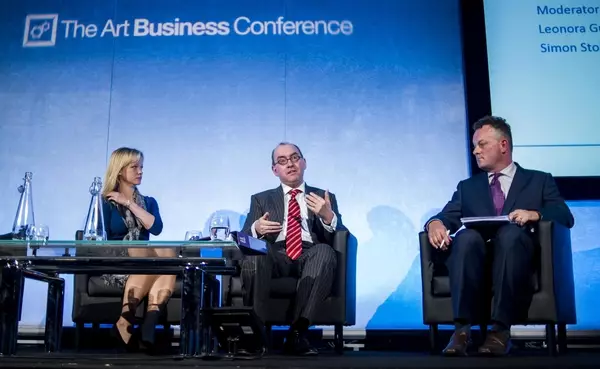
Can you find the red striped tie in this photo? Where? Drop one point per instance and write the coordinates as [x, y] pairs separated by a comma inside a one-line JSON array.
[[293, 239]]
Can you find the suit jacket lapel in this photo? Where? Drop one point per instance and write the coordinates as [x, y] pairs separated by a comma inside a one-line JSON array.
[[483, 185], [311, 214], [521, 179], [277, 204]]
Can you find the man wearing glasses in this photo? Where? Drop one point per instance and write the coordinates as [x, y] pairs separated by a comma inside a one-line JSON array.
[[298, 222]]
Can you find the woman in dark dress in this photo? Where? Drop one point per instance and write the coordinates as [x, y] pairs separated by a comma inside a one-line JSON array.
[[130, 216]]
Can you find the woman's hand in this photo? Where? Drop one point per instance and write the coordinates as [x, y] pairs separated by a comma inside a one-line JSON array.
[[119, 198]]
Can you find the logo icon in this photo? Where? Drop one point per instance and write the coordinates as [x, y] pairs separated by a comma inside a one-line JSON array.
[[40, 30]]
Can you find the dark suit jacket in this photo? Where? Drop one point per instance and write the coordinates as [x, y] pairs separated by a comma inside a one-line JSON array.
[[530, 190], [115, 225], [272, 201]]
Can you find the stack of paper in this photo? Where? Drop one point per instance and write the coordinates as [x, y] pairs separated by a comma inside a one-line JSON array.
[[500, 218]]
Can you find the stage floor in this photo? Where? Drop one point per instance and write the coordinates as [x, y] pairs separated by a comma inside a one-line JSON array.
[[35, 358]]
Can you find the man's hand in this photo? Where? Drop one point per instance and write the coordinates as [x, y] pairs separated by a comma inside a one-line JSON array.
[[264, 226], [438, 234], [523, 216], [320, 206]]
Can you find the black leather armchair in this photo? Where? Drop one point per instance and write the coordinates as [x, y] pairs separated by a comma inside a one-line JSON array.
[[95, 303], [339, 309], [553, 302]]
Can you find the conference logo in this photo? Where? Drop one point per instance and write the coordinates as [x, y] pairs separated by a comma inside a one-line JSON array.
[[42, 30]]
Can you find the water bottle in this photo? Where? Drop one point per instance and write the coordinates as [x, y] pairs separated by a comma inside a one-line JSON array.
[[24, 219], [94, 222]]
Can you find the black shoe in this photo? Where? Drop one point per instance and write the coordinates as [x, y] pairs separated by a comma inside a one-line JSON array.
[[296, 343], [148, 331], [132, 345]]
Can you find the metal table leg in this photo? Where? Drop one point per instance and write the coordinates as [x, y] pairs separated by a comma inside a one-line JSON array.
[[10, 298], [210, 298], [55, 303], [189, 308], [54, 314]]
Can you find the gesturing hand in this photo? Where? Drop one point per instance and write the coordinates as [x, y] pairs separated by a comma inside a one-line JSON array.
[[320, 206], [264, 226]]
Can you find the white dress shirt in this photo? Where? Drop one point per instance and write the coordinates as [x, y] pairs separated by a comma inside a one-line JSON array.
[[301, 198], [506, 179]]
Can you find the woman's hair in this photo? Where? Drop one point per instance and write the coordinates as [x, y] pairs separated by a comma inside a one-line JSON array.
[[119, 159]]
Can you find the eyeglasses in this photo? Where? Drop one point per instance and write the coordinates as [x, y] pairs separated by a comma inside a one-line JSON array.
[[283, 160]]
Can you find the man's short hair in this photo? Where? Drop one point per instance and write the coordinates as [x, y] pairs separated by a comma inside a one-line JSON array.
[[282, 144], [499, 124]]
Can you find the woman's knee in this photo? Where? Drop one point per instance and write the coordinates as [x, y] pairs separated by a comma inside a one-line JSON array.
[[164, 253], [139, 252]]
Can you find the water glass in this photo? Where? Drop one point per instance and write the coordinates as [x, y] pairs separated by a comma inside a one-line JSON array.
[[193, 235], [41, 233], [219, 227]]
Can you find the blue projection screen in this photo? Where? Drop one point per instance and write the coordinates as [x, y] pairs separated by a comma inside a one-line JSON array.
[[543, 66], [372, 91]]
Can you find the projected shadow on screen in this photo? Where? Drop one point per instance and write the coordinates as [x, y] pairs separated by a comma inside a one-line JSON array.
[[384, 259], [402, 308], [586, 273]]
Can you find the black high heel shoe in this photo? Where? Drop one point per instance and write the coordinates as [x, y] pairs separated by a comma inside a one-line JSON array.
[[132, 345], [148, 330]]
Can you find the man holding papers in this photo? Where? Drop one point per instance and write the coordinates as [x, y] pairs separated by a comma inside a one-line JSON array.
[[504, 189]]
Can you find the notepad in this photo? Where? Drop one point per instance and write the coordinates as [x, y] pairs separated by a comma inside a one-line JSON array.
[[479, 222], [500, 218]]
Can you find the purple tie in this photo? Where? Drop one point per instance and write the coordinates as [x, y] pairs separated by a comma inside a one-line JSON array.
[[497, 194]]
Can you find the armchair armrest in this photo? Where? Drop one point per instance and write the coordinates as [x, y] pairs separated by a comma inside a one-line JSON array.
[[556, 267], [345, 246], [340, 245], [426, 250]]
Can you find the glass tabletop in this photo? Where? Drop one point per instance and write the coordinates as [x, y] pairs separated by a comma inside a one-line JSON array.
[[70, 244]]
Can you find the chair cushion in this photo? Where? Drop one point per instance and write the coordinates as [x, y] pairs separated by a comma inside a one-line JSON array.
[[440, 285], [97, 288], [283, 287]]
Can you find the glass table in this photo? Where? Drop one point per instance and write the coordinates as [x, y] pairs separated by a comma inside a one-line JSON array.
[[23, 259]]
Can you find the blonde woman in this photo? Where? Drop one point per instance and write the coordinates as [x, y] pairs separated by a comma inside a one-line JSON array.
[[130, 216]]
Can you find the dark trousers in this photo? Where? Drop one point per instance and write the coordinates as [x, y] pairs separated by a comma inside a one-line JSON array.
[[510, 254], [315, 270]]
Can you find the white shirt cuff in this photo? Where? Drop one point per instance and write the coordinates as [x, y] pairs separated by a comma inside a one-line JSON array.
[[330, 227], [253, 229]]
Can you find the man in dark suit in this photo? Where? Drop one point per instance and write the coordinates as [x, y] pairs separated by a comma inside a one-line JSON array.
[[298, 222], [505, 188]]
